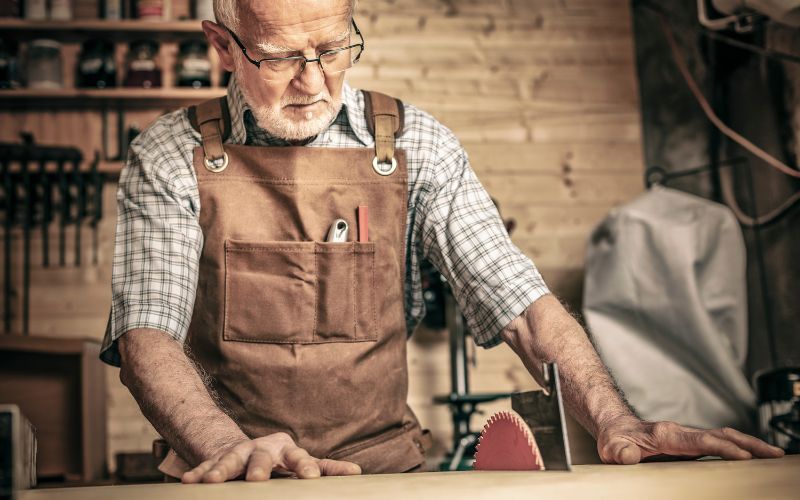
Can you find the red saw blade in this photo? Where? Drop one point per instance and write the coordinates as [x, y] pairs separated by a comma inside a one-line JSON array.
[[507, 443]]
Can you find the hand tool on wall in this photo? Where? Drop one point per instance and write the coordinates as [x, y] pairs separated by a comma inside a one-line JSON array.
[[46, 214], [27, 211], [28, 201], [63, 204], [96, 180], [80, 208], [9, 202], [542, 412]]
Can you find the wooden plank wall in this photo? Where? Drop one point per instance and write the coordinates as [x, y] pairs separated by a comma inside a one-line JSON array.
[[542, 93]]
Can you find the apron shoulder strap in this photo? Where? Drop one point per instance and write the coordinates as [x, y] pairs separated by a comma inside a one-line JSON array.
[[385, 118], [213, 120]]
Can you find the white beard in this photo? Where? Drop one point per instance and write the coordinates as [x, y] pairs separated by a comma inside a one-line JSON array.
[[276, 123]]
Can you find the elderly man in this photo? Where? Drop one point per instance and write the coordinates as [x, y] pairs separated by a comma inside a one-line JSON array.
[[255, 343]]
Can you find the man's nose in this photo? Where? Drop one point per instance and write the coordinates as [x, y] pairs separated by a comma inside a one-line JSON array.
[[311, 80]]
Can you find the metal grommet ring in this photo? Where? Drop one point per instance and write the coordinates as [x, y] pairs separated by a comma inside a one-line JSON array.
[[384, 168], [218, 164]]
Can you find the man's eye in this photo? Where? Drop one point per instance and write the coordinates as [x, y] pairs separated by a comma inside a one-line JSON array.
[[281, 64]]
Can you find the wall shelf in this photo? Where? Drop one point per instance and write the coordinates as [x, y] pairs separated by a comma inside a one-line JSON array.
[[38, 98], [117, 30]]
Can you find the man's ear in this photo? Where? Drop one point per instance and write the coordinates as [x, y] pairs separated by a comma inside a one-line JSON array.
[[217, 36]]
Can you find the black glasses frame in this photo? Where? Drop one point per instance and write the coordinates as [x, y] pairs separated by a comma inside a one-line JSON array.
[[318, 59]]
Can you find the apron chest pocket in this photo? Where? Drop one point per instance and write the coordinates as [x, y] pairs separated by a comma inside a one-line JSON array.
[[299, 292]]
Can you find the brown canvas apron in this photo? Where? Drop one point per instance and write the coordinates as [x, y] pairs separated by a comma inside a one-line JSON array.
[[300, 335]]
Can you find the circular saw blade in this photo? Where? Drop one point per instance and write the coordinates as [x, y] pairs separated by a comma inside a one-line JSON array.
[[507, 443]]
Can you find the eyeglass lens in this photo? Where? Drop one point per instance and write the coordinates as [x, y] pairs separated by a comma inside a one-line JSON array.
[[331, 62]]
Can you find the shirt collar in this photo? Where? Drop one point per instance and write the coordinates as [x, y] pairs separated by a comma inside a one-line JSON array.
[[244, 127]]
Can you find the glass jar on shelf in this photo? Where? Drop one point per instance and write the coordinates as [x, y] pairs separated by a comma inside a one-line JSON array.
[[142, 69], [96, 65], [193, 69], [44, 65], [203, 9], [9, 64]]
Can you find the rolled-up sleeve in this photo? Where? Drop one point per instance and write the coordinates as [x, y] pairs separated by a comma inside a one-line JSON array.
[[158, 238], [464, 237]]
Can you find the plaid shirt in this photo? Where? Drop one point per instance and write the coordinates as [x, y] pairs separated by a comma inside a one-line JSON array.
[[451, 222]]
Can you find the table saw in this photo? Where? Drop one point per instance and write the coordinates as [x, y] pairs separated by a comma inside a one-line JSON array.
[[763, 479]]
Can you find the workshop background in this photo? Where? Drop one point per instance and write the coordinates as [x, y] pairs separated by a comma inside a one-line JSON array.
[[545, 97]]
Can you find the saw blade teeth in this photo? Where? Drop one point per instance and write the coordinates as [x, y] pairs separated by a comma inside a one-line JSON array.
[[507, 443]]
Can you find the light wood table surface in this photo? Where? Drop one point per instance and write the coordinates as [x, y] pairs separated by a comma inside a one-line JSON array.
[[754, 479]]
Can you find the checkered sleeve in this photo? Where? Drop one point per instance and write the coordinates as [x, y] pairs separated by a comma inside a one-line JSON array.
[[158, 237], [464, 237]]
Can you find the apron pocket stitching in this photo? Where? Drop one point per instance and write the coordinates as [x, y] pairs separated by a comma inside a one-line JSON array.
[[354, 289], [373, 299], [316, 296]]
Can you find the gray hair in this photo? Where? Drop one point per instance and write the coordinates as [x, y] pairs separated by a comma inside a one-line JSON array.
[[227, 12]]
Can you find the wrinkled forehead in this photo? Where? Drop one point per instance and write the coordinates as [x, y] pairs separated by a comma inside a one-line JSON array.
[[294, 24]]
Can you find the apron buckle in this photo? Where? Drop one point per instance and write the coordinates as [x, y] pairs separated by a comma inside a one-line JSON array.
[[384, 168], [216, 165]]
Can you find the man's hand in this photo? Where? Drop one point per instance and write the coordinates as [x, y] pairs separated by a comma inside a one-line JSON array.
[[255, 459], [630, 441]]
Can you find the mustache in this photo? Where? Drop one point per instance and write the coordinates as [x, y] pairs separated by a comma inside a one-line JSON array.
[[306, 99]]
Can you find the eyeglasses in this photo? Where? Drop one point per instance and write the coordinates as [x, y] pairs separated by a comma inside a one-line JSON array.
[[331, 61]]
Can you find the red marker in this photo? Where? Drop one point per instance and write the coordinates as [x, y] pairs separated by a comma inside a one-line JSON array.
[[363, 224]]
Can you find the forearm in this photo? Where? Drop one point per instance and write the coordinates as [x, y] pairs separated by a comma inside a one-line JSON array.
[[172, 395], [547, 332]]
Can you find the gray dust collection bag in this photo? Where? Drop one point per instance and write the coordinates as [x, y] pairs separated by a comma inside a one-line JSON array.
[[666, 301]]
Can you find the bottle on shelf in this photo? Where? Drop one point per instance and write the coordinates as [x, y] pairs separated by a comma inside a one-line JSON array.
[[193, 69], [96, 66], [9, 64], [143, 71]]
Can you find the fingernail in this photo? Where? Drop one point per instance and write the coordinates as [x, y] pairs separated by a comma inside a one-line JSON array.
[[258, 471]]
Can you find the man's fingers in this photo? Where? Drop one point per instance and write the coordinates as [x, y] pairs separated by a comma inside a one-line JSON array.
[[621, 451], [230, 466], [752, 444], [259, 467], [330, 467], [194, 475], [300, 462], [706, 443]]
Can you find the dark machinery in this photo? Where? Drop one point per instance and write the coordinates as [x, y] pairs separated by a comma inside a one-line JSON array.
[[779, 407], [442, 311]]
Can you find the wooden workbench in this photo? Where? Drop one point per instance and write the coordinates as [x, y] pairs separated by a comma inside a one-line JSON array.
[[677, 480]]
